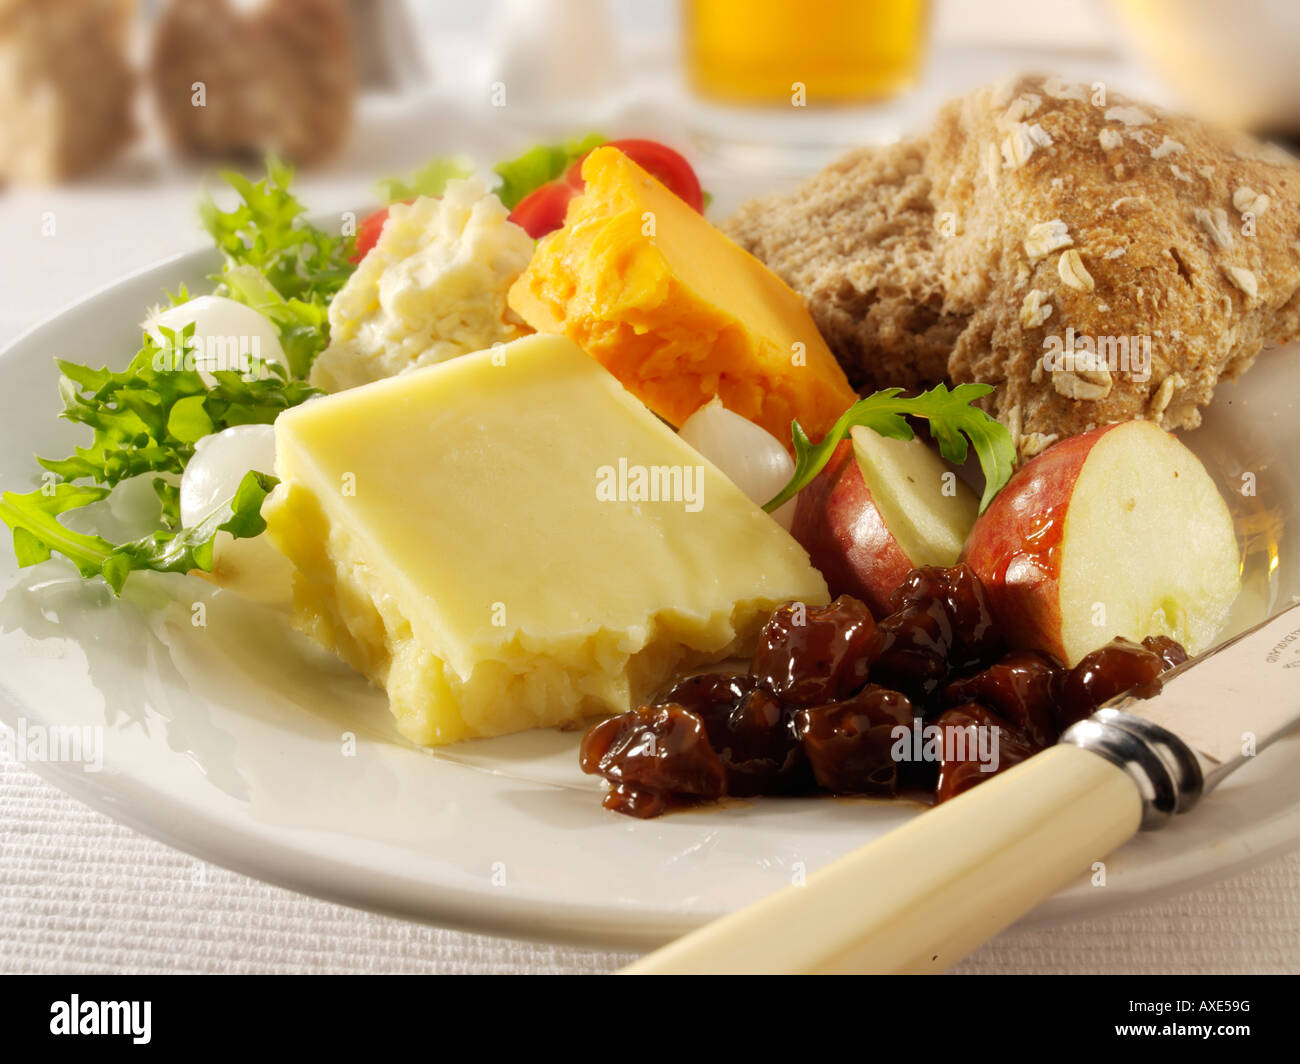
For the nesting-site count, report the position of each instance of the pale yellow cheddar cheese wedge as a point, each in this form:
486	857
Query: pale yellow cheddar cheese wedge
511	540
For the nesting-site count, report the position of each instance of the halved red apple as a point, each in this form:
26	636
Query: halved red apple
880	508
1119	531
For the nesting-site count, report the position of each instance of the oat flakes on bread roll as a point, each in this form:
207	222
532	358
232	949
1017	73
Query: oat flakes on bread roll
1029	209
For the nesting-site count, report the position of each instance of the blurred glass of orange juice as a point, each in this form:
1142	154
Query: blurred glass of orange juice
840	51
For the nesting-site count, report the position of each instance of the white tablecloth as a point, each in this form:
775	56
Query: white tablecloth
80	893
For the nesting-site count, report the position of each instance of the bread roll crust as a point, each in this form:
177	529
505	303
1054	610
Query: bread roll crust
1036	210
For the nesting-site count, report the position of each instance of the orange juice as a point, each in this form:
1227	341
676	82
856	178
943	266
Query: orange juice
839	51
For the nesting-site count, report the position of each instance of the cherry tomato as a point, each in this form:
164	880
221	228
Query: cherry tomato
542	210
368	232
659	160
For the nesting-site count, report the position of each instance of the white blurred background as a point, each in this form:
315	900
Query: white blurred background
102	148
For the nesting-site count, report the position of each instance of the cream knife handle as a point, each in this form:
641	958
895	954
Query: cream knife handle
926	894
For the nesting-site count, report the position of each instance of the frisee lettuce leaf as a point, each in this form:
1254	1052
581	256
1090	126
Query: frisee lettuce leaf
304	325
538	165
38	533
266	234
144	419
169	502
429	180
950	417
148	417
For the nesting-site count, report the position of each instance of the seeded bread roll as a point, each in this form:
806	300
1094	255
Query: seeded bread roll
234	81
1036	211
66	87
859	242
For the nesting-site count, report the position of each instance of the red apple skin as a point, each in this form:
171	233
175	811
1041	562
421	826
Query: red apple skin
839	526
1015	546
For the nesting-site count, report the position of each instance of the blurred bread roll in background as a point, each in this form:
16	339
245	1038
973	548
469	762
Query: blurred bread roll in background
242	78
66	86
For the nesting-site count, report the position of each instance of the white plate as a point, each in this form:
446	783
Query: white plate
228	741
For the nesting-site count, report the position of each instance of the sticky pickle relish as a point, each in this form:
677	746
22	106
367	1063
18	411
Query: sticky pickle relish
927	700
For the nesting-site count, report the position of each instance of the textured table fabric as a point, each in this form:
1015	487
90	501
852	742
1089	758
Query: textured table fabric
80	893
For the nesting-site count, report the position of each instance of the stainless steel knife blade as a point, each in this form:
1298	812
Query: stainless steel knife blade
1231	702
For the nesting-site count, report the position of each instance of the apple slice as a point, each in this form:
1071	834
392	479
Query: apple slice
1119	531
879	509
929	511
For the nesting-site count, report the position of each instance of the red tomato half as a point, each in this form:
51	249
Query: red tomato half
368	232
661	161
542	210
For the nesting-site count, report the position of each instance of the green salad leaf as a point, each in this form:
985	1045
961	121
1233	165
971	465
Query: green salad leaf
38	533
429	180
148	417
267	231
952	421
267	235
169	502
538	165
304	325
144	419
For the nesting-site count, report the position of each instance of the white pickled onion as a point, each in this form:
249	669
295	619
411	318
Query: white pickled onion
219	463
750	456
227	336
250	567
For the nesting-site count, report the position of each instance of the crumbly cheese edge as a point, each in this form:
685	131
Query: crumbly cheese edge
343	605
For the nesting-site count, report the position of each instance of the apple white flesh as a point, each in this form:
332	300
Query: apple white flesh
926	508
867	523
1119	531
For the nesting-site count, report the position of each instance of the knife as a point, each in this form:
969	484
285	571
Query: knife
923	896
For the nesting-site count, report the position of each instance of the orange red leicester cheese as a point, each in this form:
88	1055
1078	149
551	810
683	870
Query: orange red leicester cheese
676	311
